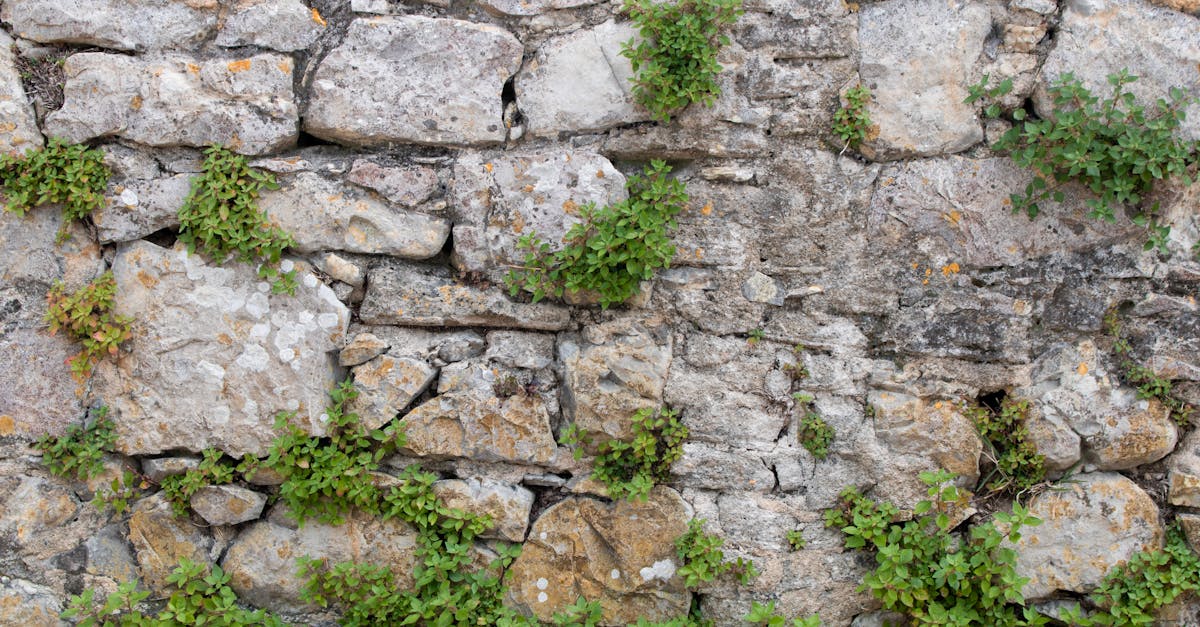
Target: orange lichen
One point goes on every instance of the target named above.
(239, 66)
(1083, 368)
(489, 167)
(950, 268)
(953, 217)
(136, 103)
(707, 209)
(316, 17)
(8, 425)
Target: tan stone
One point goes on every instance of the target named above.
(1140, 434)
(1187, 6)
(386, 385)
(227, 505)
(618, 554)
(506, 505)
(363, 348)
(160, 540)
(28, 604)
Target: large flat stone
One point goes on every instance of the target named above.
(285, 25)
(19, 131)
(916, 58)
(160, 540)
(580, 82)
(408, 295)
(214, 355)
(136, 208)
(324, 215)
(244, 104)
(119, 24)
(413, 79)
(507, 505)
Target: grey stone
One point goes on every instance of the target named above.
(518, 349)
(1053, 438)
(136, 208)
(1041, 7)
(916, 58)
(502, 197)
(227, 504)
(371, 90)
(160, 540)
(218, 384)
(120, 24)
(404, 294)
(714, 467)
(580, 82)
(19, 131)
(718, 140)
(612, 370)
(340, 269)
(1159, 46)
(159, 468)
(407, 186)
(1183, 481)
(109, 554)
(262, 560)
(448, 346)
(363, 348)
(508, 506)
(245, 104)
(322, 215)
(1097, 521)
(29, 604)
(285, 25)
(760, 288)
(530, 7)
(386, 385)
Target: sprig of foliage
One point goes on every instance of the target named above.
(631, 469)
(851, 122)
(613, 249)
(221, 218)
(1017, 464)
(581, 613)
(795, 539)
(1130, 594)
(703, 560)
(675, 63)
(119, 492)
(325, 478)
(761, 614)
(79, 453)
(60, 173)
(212, 470)
(1113, 146)
(1148, 384)
(926, 571)
(755, 336)
(86, 316)
(797, 369)
(815, 434)
(201, 596)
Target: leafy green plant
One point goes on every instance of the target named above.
(613, 249)
(675, 63)
(1017, 466)
(632, 469)
(795, 539)
(60, 173)
(929, 573)
(797, 369)
(1112, 146)
(851, 122)
(761, 614)
(79, 453)
(703, 560)
(212, 470)
(581, 613)
(1132, 593)
(86, 316)
(201, 596)
(221, 217)
(756, 336)
(1148, 384)
(815, 434)
(119, 492)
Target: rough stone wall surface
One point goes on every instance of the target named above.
(417, 142)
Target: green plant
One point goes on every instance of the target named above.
(703, 560)
(1017, 466)
(120, 491)
(926, 571)
(221, 217)
(797, 369)
(756, 336)
(212, 470)
(86, 317)
(761, 614)
(1148, 384)
(795, 539)
(632, 469)
(1150, 580)
(79, 453)
(581, 613)
(68, 174)
(675, 63)
(815, 434)
(201, 596)
(1112, 146)
(612, 249)
(852, 121)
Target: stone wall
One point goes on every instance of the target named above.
(415, 142)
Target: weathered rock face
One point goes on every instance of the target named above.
(26, 603)
(244, 104)
(467, 419)
(120, 24)
(502, 197)
(322, 215)
(1184, 479)
(1096, 522)
(405, 186)
(391, 58)
(530, 7)
(284, 25)
(261, 562)
(580, 82)
(409, 295)
(386, 385)
(185, 385)
(31, 360)
(19, 132)
(613, 370)
(138, 207)
(916, 58)
(1159, 46)
(619, 554)
(508, 506)
(160, 540)
(227, 505)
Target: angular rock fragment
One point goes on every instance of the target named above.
(244, 104)
(284, 25)
(405, 186)
(136, 208)
(227, 504)
(119, 24)
(18, 131)
(28, 604)
(1184, 479)
(160, 540)
(507, 505)
(386, 385)
(532, 7)
(363, 348)
(374, 89)
(160, 468)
